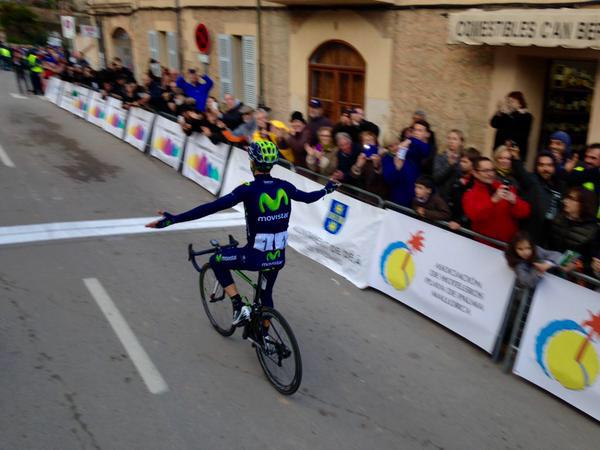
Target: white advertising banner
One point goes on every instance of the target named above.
(139, 127)
(53, 89)
(116, 117)
(573, 28)
(80, 100)
(460, 283)
(560, 346)
(97, 109)
(205, 162)
(337, 231)
(167, 142)
(66, 99)
(237, 172)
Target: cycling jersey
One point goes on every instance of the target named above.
(268, 206)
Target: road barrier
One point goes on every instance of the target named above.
(455, 280)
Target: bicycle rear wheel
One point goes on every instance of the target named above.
(280, 357)
(217, 305)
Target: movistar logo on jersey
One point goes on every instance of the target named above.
(272, 256)
(273, 204)
(336, 217)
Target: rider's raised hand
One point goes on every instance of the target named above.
(331, 186)
(166, 220)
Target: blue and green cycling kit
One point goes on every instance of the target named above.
(267, 202)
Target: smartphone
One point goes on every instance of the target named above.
(402, 153)
(568, 257)
(369, 150)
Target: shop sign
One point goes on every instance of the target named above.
(544, 28)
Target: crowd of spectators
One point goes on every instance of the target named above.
(553, 207)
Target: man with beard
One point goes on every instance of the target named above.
(544, 191)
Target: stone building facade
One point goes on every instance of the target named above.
(403, 60)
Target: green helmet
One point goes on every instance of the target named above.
(264, 154)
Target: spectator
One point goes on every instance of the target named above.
(132, 95)
(153, 93)
(588, 173)
(195, 88)
(461, 184)
(248, 126)
(298, 138)
(427, 163)
(316, 119)
(88, 78)
(347, 154)
(322, 158)
(494, 209)
(512, 122)
(360, 124)
(119, 70)
(232, 117)
(543, 190)
(154, 70)
(345, 125)
(575, 228)
(212, 104)
(559, 145)
(446, 165)
(529, 261)
(20, 67)
(402, 168)
(427, 203)
(503, 157)
(367, 172)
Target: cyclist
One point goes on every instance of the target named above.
(267, 202)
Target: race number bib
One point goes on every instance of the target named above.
(266, 241)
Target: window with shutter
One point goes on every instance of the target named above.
(153, 44)
(225, 64)
(249, 69)
(172, 50)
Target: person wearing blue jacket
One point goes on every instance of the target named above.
(195, 89)
(402, 166)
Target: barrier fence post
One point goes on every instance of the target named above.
(505, 324)
(517, 331)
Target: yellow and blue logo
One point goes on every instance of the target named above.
(396, 266)
(336, 217)
(564, 350)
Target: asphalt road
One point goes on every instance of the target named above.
(376, 374)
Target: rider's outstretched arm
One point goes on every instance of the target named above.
(225, 202)
(311, 197)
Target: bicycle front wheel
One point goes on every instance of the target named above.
(278, 353)
(217, 305)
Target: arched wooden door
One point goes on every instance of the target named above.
(122, 47)
(337, 78)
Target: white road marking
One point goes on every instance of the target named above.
(144, 365)
(5, 158)
(96, 228)
(19, 96)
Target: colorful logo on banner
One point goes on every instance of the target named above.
(203, 166)
(396, 266)
(564, 350)
(80, 104)
(336, 217)
(167, 146)
(137, 131)
(97, 112)
(116, 121)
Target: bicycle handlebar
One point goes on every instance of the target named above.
(216, 248)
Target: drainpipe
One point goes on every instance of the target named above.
(179, 36)
(261, 96)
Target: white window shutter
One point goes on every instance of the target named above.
(153, 44)
(249, 69)
(225, 64)
(173, 53)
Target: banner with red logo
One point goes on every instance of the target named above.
(460, 283)
(560, 347)
(139, 127)
(205, 162)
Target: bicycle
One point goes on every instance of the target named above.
(276, 346)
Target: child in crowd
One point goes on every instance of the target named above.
(529, 261)
(427, 203)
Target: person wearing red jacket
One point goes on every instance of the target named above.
(493, 208)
